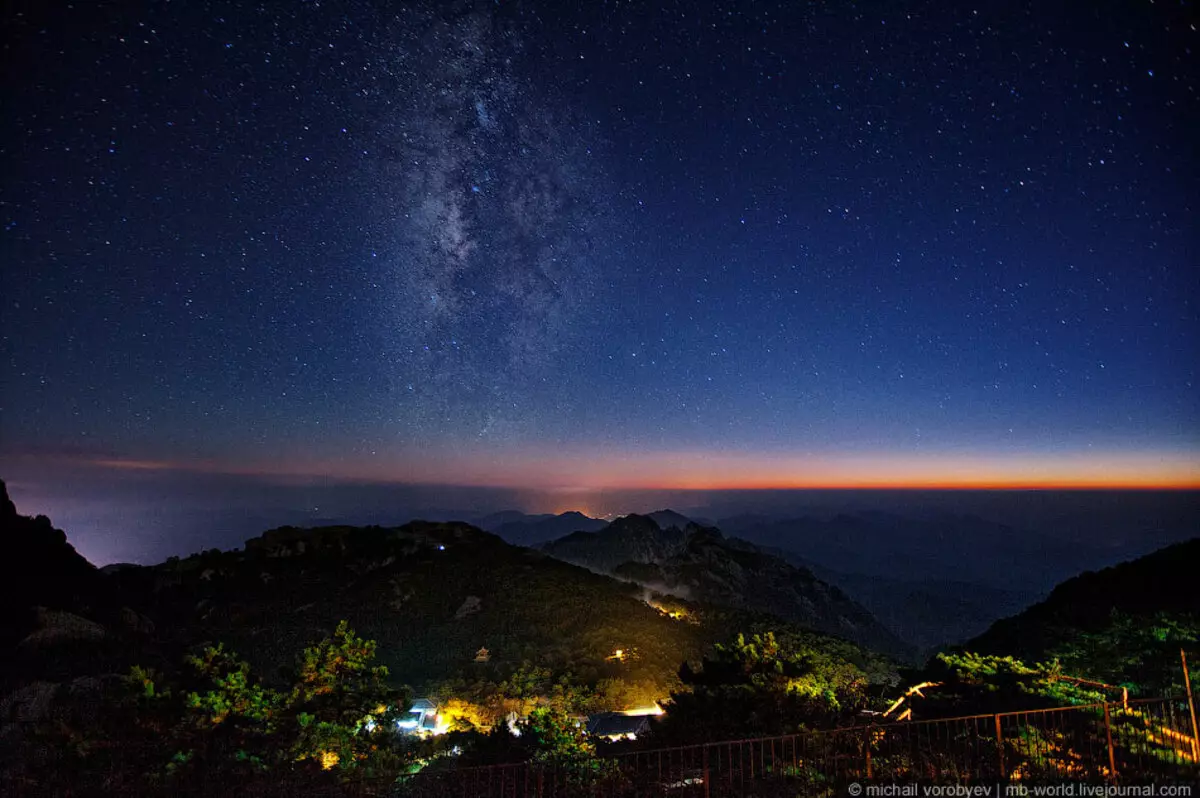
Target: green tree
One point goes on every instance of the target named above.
(219, 725)
(230, 719)
(978, 683)
(558, 742)
(1137, 652)
(341, 704)
(758, 686)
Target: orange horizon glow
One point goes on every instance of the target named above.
(575, 475)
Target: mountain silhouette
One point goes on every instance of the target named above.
(530, 530)
(1161, 582)
(699, 563)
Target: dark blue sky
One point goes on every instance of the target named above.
(636, 245)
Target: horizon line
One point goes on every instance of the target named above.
(976, 478)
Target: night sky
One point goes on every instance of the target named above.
(664, 245)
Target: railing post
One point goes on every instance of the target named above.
(1187, 684)
(1112, 757)
(706, 778)
(868, 746)
(1000, 747)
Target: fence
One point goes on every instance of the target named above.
(1132, 741)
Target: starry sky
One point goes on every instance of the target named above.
(670, 245)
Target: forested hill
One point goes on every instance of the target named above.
(1123, 625)
(434, 596)
(1162, 582)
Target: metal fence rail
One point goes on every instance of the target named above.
(1108, 742)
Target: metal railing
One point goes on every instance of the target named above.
(1123, 741)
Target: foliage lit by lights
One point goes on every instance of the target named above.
(764, 685)
(219, 719)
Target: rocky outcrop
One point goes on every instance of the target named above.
(28, 704)
(60, 617)
(470, 606)
(632, 538)
(56, 627)
(136, 622)
(40, 568)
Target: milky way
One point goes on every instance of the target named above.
(494, 200)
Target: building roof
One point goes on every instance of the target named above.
(616, 724)
(423, 705)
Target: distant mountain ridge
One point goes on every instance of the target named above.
(937, 548)
(927, 613)
(933, 614)
(493, 521)
(631, 538)
(530, 530)
(667, 519)
(699, 563)
(1011, 549)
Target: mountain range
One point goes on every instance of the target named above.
(939, 577)
(478, 590)
(875, 559)
(452, 605)
(699, 563)
(531, 530)
(446, 602)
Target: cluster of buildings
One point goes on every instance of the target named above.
(424, 719)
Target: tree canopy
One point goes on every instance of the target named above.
(761, 686)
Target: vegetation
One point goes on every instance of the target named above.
(433, 596)
(764, 685)
(1129, 656)
(970, 683)
(484, 703)
(216, 723)
(1140, 653)
(557, 741)
(516, 648)
(1122, 627)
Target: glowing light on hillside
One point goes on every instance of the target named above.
(674, 613)
(637, 712)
